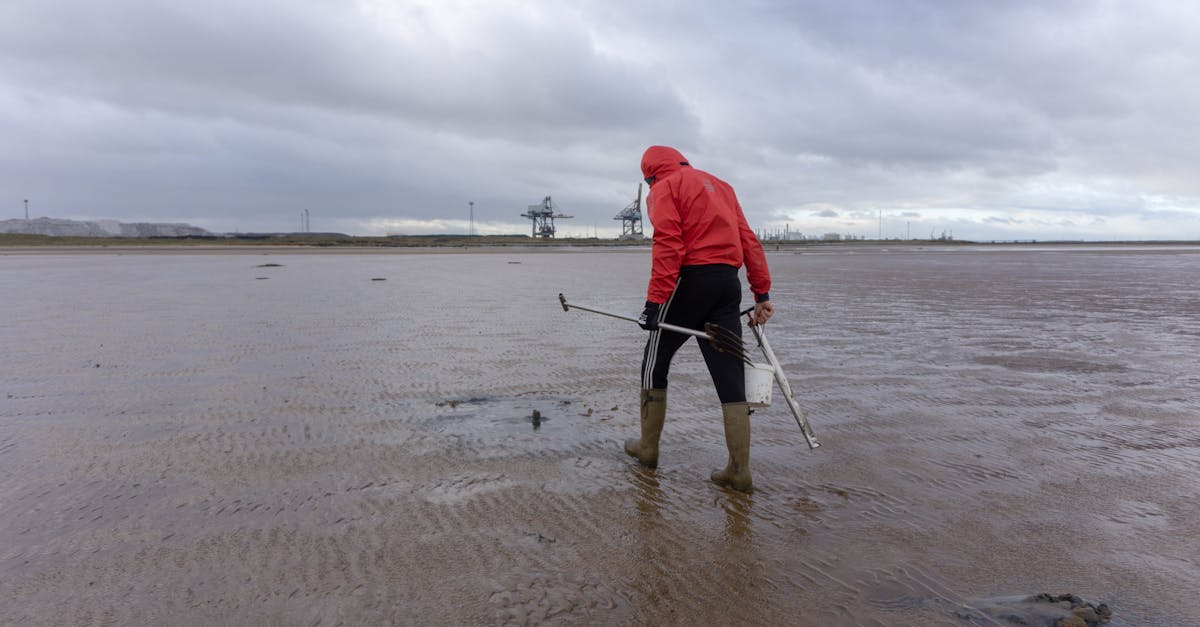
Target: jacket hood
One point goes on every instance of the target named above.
(659, 161)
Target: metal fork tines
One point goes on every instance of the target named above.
(726, 341)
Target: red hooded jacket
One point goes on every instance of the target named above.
(697, 221)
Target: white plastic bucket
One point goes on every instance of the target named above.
(760, 380)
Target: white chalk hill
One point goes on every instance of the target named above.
(99, 228)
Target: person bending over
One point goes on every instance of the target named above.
(701, 240)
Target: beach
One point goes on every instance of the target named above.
(277, 436)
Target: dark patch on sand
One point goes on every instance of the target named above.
(1044, 363)
(1044, 609)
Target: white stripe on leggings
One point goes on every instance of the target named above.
(655, 335)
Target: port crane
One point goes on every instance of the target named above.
(631, 218)
(542, 215)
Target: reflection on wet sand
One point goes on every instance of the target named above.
(650, 580)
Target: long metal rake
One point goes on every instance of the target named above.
(724, 342)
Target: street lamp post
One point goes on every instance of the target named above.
(26, 208)
(471, 232)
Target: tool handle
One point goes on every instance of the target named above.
(662, 325)
(786, 388)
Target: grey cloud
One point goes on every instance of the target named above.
(225, 109)
(171, 110)
(223, 59)
(963, 86)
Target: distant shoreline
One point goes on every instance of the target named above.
(20, 243)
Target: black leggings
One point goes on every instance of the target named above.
(711, 293)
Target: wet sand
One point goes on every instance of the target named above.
(203, 439)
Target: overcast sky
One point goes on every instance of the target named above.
(1037, 119)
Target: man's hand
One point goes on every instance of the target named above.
(649, 317)
(762, 312)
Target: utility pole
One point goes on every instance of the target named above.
(471, 232)
(26, 208)
(881, 224)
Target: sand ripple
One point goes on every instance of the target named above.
(183, 443)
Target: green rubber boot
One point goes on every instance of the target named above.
(736, 474)
(654, 412)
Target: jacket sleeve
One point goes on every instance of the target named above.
(667, 251)
(755, 260)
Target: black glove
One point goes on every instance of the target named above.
(649, 317)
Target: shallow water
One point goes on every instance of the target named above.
(195, 438)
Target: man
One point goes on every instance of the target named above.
(701, 239)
